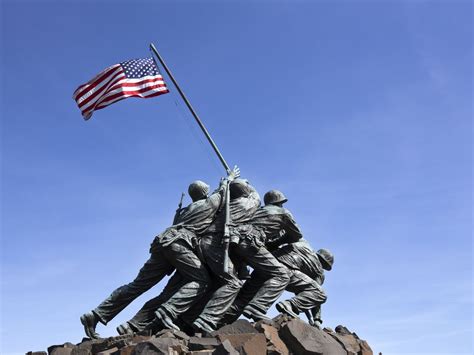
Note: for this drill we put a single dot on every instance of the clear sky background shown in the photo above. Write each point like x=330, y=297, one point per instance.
x=361, y=112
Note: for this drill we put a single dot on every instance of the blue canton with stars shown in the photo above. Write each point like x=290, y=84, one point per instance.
x=138, y=68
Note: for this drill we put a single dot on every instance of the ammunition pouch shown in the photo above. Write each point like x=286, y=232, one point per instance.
x=248, y=233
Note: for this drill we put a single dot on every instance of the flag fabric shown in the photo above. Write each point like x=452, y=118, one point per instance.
x=132, y=78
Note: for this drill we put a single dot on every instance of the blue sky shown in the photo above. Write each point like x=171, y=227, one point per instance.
x=359, y=111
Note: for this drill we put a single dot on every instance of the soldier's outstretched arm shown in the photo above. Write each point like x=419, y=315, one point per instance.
x=289, y=234
x=293, y=232
x=217, y=197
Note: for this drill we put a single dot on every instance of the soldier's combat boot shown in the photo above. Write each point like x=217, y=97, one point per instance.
x=89, y=320
x=285, y=307
x=200, y=326
x=125, y=328
x=167, y=322
x=255, y=314
x=317, y=324
x=152, y=328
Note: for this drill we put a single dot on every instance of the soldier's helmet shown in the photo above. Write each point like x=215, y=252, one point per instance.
x=273, y=197
x=327, y=259
x=239, y=187
x=198, y=190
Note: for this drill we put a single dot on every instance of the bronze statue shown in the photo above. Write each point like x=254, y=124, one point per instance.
x=244, y=201
x=207, y=289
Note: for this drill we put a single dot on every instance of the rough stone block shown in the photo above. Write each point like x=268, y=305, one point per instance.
x=157, y=346
x=201, y=352
x=351, y=344
x=340, y=329
x=257, y=345
x=225, y=348
x=139, y=338
x=172, y=333
x=68, y=346
x=108, y=351
x=196, y=343
x=60, y=351
x=365, y=348
x=351, y=341
x=247, y=343
x=113, y=342
x=36, y=353
x=240, y=326
x=269, y=322
x=280, y=320
x=85, y=347
x=303, y=339
x=127, y=350
x=275, y=346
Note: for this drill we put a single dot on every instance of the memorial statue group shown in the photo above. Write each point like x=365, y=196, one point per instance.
x=207, y=251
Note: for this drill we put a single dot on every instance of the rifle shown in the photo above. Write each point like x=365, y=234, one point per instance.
x=180, y=206
x=226, y=236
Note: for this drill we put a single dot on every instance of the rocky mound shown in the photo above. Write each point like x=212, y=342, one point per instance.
x=282, y=336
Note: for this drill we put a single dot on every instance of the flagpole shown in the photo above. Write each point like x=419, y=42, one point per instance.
x=196, y=117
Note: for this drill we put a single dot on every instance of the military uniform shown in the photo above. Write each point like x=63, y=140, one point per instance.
x=270, y=226
x=268, y=221
x=306, y=277
x=242, y=208
x=248, y=238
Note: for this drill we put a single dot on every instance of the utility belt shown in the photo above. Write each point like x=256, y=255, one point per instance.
x=172, y=234
x=249, y=233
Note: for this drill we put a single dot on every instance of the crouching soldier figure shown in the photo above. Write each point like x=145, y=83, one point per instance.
x=306, y=270
x=306, y=277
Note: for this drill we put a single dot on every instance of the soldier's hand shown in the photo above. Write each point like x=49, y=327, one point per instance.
x=234, y=174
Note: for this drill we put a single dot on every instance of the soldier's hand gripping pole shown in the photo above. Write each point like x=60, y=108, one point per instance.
x=234, y=174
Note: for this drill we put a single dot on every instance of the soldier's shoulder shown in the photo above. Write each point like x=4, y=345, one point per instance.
x=303, y=243
x=287, y=212
x=272, y=209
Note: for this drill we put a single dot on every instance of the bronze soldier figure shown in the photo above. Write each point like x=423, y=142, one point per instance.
x=306, y=269
x=248, y=244
x=244, y=201
x=307, y=275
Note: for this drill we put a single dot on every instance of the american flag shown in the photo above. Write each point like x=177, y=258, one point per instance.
x=136, y=77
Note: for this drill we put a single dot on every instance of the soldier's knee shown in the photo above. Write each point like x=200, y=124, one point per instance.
x=203, y=277
x=203, y=287
x=205, y=284
x=284, y=275
x=235, y=283
x=322, y=296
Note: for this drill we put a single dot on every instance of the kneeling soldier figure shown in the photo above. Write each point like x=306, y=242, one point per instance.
x=306, y=277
